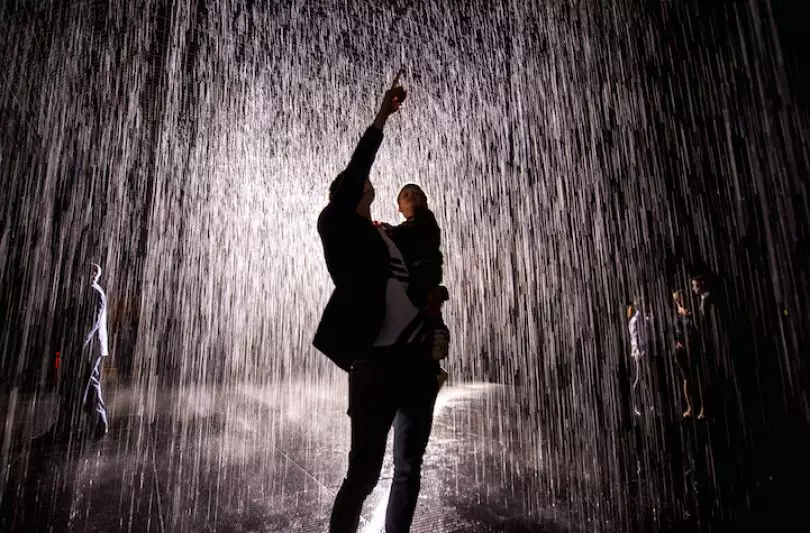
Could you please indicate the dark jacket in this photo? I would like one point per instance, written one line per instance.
(714, 333)
(686, 333)
(357, 260)
(419, 240)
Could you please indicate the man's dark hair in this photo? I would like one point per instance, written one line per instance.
(333, 187)
(701, 271)
(709, 279)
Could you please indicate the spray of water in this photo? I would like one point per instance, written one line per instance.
(576, 154)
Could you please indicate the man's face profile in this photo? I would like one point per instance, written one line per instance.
(368, 193)
(697, 286)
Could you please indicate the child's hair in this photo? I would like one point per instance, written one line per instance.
(419, 196)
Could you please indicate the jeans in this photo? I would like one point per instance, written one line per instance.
(396, 385)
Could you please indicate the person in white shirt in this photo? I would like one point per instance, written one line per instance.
(96, 345)
(640, 329)
(86, 344)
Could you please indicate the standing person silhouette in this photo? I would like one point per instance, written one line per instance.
(85, 346)
(687, 354)
(714, 339)
(371, 329)
(96, 345)
(639, 326)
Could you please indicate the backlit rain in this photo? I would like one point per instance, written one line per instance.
(584, 161)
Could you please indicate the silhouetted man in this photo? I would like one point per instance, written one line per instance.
(85, 345)
(714, 340)
(639, 326)
(97, 347)
(371, 329)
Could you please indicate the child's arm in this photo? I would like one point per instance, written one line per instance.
(416, 234)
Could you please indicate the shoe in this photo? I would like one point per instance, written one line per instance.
(101, 432)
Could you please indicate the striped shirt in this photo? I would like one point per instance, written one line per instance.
(402, 323)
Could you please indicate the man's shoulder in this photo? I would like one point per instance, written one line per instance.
(99, 291)
(327, 217)
(332, 217)
(714, 302)
(100, 298)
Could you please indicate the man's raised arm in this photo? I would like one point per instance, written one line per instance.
(348, 187)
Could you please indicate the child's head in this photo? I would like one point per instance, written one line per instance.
(411, 198)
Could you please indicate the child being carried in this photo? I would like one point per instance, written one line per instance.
(419, 241)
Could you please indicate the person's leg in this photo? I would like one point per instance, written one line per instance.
(701, 381)
(91, 399)
(412, 425)
(688, 398)
(635, 390)
(682, 360)
(371, 416)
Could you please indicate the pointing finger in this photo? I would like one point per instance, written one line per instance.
(396, 78)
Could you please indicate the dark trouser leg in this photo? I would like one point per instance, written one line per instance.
(371, 415)
(702, 382)
(412, 425)
(92, 401)
(637, 386)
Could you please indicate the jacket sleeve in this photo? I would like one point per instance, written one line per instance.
(419, 241)
(99, 308)
(349, 190)
(633, 329)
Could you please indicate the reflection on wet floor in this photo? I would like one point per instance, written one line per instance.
(272, 462)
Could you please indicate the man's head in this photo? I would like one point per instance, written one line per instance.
(364, 207)
(699, 285)
(95, 272)
(366, 198)
(411, 198)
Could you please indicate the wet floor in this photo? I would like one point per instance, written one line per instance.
(271, 460)
(268, 463)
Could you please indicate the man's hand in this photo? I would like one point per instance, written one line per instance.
(392, 100)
